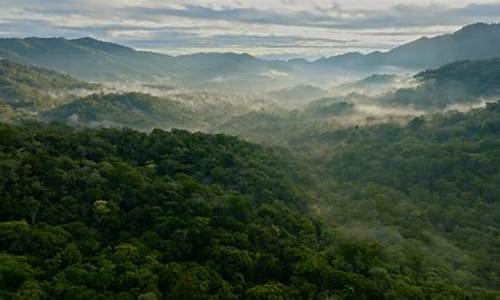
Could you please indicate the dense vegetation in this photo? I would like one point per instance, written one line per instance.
(458, 82)
(118, 213)
(345, 205)
(428, 191)
(121, 213)
(135, 110)
(28, 86)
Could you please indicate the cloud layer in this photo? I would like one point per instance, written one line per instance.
(278, 28)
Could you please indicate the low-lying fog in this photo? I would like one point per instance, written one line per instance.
(265, 112)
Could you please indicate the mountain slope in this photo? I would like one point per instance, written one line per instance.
(298, 95)
(462, 82)
(135, 110)
(86, 58)
(174, 215)
(93, 59)
(169, 215)
(429, 187)
(29, 86)
(476, 41)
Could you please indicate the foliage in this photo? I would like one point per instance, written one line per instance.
(428, 191)
(121, 214)
(457, 82)
(29, 86)
(128, 109)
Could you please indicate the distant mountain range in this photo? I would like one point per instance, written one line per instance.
(477, 41)
(91, 59)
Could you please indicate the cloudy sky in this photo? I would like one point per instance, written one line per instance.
(268, 28)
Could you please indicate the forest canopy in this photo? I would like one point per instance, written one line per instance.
(117, 213)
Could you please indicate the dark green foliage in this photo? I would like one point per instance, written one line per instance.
(125, 214)
(113, 213)
(428, 191)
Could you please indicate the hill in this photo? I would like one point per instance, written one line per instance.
(34, 88)
(175, 214)
(135, 110)
(92, 59)
(298, 95)
(428, 187)
(462, 82)
(85, 58)
(168, 215)
(476, 41)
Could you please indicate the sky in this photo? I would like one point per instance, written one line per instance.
(264, 28)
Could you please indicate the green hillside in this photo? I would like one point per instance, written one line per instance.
(460, 82)
(134, 110)
(31, 87)
(400, 212)
(95, 60)
(428, 191)
(85, 58)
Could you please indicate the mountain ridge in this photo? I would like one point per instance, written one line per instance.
(89, 58)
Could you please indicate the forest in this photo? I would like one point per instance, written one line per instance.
(128, 174)
(115, 213)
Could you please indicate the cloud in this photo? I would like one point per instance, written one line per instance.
(335, 17)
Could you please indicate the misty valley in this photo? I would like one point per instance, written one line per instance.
(129, 174)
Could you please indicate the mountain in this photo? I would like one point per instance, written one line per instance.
(24, 86)
(85, 58)
(458, 82)
(427, 187)
(390, 212)
(328, 107)
(92, 59)
(376, 80)
(29, 92)
(476, 41)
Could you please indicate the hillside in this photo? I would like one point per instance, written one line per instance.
(400, 212)
(476, 41)
(32, 87)
(298, 95)
(92, 59)
(460, 82)
(428, 188)
(84, 58)
(126, 214)
(135, 110)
